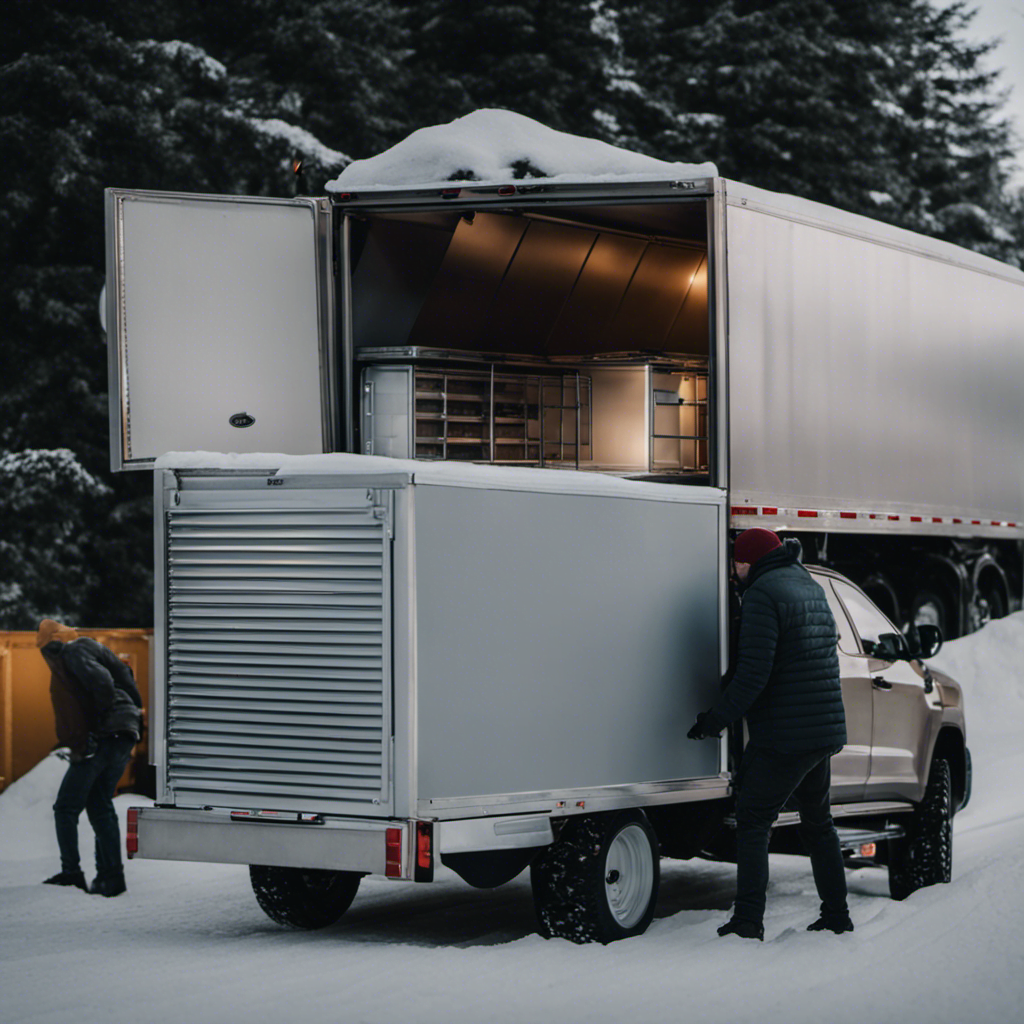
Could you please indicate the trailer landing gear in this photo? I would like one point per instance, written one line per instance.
(599, 881)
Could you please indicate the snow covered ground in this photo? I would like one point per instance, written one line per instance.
(188, 943)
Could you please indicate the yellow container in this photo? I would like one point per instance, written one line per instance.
(27, 731)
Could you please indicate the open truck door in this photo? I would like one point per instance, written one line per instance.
(220, 316)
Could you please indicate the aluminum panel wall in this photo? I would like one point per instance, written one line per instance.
(563, 640)
(218, 307)
(278, 644)
(866, 376)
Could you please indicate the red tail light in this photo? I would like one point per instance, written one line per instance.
(424, 871)
(393, 853)
(131, 839)
(868, 849)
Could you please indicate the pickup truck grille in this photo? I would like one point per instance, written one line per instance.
(276, 671)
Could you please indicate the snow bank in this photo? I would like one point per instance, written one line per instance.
(502, 146)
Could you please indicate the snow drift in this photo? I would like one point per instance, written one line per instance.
(490, 146)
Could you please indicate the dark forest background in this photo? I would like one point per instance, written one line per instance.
(881, 107)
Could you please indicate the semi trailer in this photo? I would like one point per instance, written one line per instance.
(460, 582)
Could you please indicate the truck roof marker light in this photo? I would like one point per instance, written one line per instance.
(506, 190)
(393, 853)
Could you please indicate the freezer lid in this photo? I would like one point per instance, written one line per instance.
(220, 317)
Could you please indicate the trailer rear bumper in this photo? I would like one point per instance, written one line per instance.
(308, 841)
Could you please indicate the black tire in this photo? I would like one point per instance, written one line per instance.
(303, 897)
(924, 856)
(599, 881)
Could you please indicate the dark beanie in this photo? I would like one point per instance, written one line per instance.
(753, 544)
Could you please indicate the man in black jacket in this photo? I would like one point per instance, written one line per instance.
(96, 705)
(786, 682)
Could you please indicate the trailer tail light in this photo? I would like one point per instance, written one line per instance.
(393, 853)
(868, 849)
(131, 839)
(424, 869)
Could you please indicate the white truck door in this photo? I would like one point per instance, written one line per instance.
(219, 325)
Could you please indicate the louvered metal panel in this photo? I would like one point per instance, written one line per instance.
(278, 672)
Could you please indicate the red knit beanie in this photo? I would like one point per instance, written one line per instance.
(753, 544)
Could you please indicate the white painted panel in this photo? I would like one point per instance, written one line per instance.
(866, 377)
(218, 314)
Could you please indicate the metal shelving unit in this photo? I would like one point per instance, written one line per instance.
(499, 417)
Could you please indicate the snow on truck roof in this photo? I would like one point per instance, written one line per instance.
(500, 146)
(444, 473)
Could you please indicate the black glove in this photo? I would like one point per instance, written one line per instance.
(706, 725)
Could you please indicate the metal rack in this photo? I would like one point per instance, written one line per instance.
(689, 391)
(498, 417)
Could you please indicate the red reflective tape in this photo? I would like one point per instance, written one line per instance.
(743, 510)
(957, 520)
(936, 519)
(769, 510)
(994, 523)
(916, 519)
(847, 515)
(894, 518)
(975, 522)
(804, 513)
(131, 844)
(1012, 526)
(424, 855)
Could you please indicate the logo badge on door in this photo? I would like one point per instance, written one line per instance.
(242, 419)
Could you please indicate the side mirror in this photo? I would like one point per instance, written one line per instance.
(929, 640)
(889, 647)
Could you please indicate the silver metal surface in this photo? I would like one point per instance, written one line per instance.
(563, 640)
(509, 833)
(567, 802)
(278, 649)
(218, 306)
(870, 373)
(211, 836)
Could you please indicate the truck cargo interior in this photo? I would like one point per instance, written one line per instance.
(555, 336)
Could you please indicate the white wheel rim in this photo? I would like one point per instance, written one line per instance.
(629, 875)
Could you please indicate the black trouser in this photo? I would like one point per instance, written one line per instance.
(89, 786)
(765, 781)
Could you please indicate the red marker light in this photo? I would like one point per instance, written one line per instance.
(131, 839)
(506, 190)
(868, 849)
(393, 853)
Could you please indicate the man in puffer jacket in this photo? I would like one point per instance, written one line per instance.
(786, 683)
(96, 705)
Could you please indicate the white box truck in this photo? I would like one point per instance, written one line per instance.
(485, 647)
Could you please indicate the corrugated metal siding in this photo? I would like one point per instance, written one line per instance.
(276, 659)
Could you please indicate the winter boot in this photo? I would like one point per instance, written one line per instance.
(837, 923)
(744, 929)
(67, 878)
(112, 885)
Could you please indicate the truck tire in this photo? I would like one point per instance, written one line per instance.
(924, 856)
(599, 881)
(303, 897)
